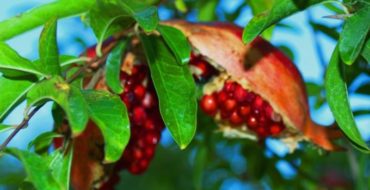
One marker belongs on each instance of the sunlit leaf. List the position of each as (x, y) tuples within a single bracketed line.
[(281, 9), (12, 93), (175, 88), (110, 114), (48, 48), (113, 67), (38, 172), (67, 96), (42, 141), (337, 97), (12, 64), (60, 166), (177, 42), (353, 35)]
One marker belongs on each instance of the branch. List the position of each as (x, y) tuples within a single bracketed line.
[(38, 16), (19, 127)]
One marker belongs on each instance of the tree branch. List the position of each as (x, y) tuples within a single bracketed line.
[(19, 127)]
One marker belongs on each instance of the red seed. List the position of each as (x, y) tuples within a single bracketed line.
[(229, 105), (149, 124), (149, 101), (252, 122), (250, 97), (208, 104), (221, 97), (229, 87), (235, 119), (151, 138), (244, 110), (139, 92), (240, 94), (149, 152), (258, 103), (137, 153), (138, 115), (275, 129)]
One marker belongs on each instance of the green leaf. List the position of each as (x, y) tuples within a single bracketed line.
[(146, 16), (330, 32), (121, 14), (61, 166), (354, 35), (181, 6), (113, 67), (280, 10), (40, 15), (6, 127), (43, 141), (38, 172), (175, 88), (12, 93), (68, 97), (110, 114), (337, 98), (105, 23), (177, 42), (48, 48), (366, 51), (10, 60), (207, 10), (313, 89)]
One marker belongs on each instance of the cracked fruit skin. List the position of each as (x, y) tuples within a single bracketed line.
[(262, 69)]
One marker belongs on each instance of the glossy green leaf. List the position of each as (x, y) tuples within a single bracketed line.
[(177, 42), (60, 166), (280, 10), (121, 14), (175, 88), (353, 36), (38, 172), (42, 141), (12, 93), (337, 97), (10, 60), (40, 15), (366, 51), (48, 48), (68, 97), (113, 67), (106, 23), (146, 16), (110, 114)]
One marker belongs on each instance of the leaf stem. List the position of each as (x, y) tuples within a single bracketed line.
[(19, 127)]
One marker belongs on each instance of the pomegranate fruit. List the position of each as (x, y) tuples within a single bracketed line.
[(259, 91), (252, 91)]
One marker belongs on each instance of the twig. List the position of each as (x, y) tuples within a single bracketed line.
[(19, 127)]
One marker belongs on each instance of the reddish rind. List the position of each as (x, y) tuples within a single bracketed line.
[(261, 68)]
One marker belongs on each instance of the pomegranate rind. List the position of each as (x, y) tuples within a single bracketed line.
[(261, 68)]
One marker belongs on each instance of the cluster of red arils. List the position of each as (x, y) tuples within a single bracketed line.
[(243, 108), (145, 120)]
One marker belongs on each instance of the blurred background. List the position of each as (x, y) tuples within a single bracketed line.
[(212, 162)]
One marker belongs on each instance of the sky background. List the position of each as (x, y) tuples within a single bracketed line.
[(300, 41)]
